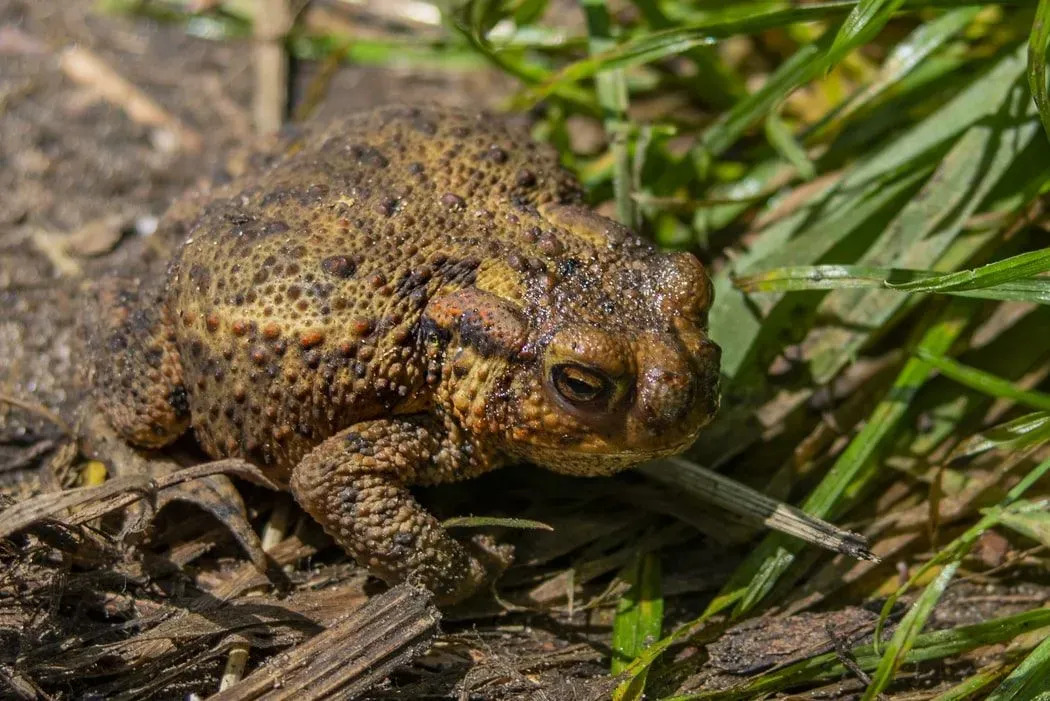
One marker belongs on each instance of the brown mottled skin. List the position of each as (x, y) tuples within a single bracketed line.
[(411, 296)]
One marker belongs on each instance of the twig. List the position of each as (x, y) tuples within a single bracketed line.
[(273, 533), (84, 67), (272, 23), (38, 409), (352, 655)]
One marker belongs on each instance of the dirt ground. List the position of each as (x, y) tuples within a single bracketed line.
[(85, 613)]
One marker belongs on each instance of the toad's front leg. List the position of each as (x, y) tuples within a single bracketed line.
[(355, 485)]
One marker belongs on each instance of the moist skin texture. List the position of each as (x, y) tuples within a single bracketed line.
[(410, 296)]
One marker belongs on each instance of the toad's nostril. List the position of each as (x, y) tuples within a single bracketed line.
[(665, 396)]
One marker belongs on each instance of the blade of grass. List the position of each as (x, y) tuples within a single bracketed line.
[(832, 277), (922, 232), (1033, 523), (809, 61), (760, 571), (1017, 434), (611, 87), (639, 614), (714, 82), (484, 521), (910, 626), (465, 23), (1038, 41), (755, 507), (735, 323), (935, 645), (834, 217), (654, 46), (961, 545), (985, 382), (971, 686), (1029, 680), (906, 56), (780, 137), (860, 26), (1016, 267)]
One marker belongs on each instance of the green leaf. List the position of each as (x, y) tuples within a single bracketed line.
[(1038, 41), (1032, 522), (985, 382), (972, 685), (483, 521), (921, 233), (1007, 270), (910, 626), (860, 26), (961, 545), (611, 87), (781, 138), (654, 46), (802, 278), (935, 645), (639, 614), (906, 57), (760, 571), (1014, 435), (1029, 679)]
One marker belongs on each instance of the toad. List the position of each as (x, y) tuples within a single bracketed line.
[(407, 297)]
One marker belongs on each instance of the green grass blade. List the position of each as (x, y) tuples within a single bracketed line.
[(985, 382), (734, 322), (910, 626), (1038, 41), (654, 46), (802, 278), (962, 544), (980, 99), (1016, 267), (860, 26), (611, 87), (1033, 523), (801, 67), (760, 571), (781, 138), (922, 232), (878, 183), (639, 615), (1030, 679), (935, 645), (635, 673), (972, 685), (485, 521), (905, 57), (808, 62), (1016, 434)]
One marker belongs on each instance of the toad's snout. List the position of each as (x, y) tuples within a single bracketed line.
[(677, 390)]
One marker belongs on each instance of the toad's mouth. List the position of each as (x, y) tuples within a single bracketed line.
[(637, 454)]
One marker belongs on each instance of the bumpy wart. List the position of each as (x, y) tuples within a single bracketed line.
[(411, 296)]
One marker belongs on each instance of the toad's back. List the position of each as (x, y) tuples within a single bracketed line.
[(298, 292)]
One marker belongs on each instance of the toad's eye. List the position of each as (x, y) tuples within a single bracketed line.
[(580, 385)]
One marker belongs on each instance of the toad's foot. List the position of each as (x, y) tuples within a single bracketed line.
[(355, 485)]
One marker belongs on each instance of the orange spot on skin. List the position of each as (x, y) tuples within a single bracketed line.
[(271, 331), (311, 338), (239, 328), (212, 321)]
